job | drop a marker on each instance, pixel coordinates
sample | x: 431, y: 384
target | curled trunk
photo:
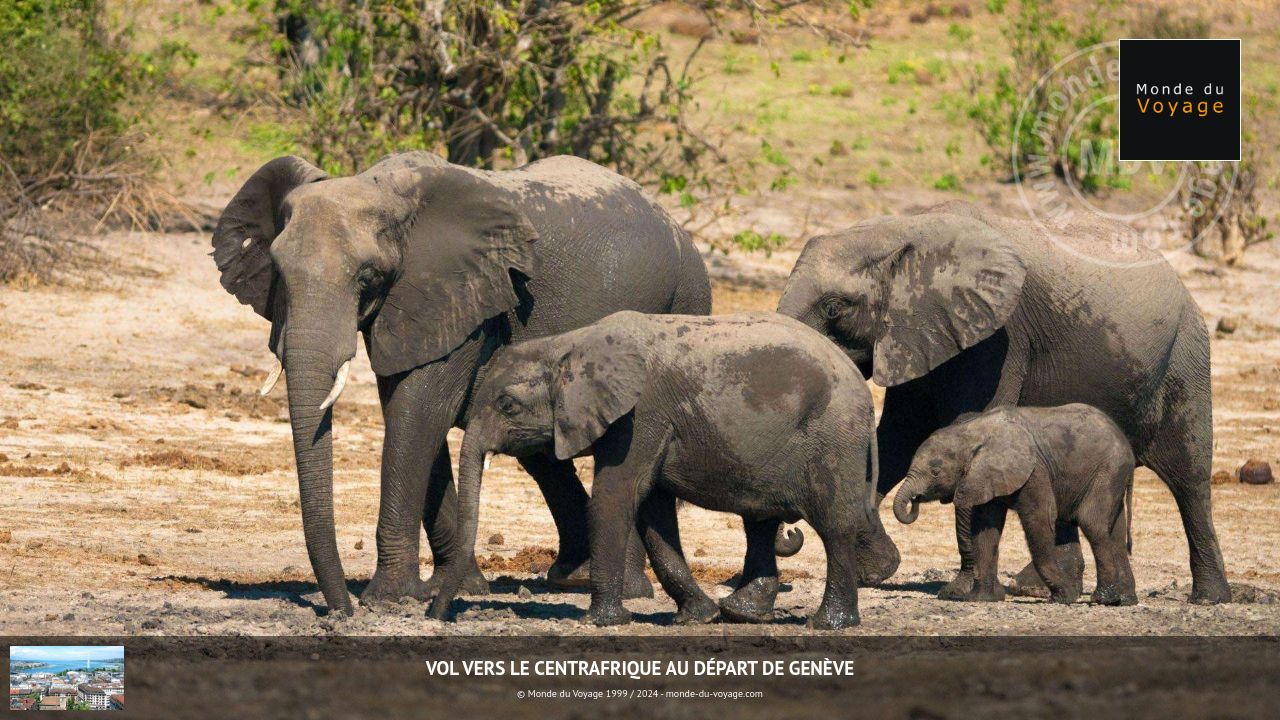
x: 907, y: 495
x: 471, y: 463
x: 787, y: 543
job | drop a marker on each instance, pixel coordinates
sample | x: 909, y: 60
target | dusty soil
x: 145, y: 488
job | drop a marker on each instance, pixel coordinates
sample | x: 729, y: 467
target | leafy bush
x: 63, y: 74
x: 68, y: 137
x: 948, y: 181
x: 485, y: 83
x: 504, y: 82
x: 1015, y: 113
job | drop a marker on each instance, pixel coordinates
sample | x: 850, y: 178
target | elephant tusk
x: 272, y: 378
x: 339, y: 383
x: 487, y: 457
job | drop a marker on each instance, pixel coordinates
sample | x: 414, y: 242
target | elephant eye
x: 833, y: 308
x: 934, y: 470
x: 507, y: 405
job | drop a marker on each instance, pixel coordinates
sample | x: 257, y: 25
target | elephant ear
x: 953, y: 281
x: 1000, y: 465
x: 248, y: 226
x: 596, y: 382
x: 466, y: 250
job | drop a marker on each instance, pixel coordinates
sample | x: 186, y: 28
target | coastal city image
x: 66, y: 677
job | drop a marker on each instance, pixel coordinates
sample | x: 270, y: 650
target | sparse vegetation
x: 1222, y: 202
x: 1019, y: 117
x: 70, y: 133
x: 500, y: 84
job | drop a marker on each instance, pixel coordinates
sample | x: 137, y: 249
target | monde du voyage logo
x: 1180, y: 100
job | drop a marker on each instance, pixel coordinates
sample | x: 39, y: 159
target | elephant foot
x: 1063, y: 596
x: 569, y: 574
x: 1112, y: 595
x: 1027, y: 583
x: 574, y: 576
x: 959, y: 588
x: 699, y: 611
x: 831, y: 619
x: 607, y: 615
x: 386, y: 589
x: 752, y: 602
x: 878, y: 559
x: 993, y: 593
x: 1210, y: 593
x: 383, y: 588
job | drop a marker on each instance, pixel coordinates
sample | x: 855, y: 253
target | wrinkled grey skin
x: 958, y: 310
x: 437, y: 265
x: 754, y: 414
x: 1058, y: 468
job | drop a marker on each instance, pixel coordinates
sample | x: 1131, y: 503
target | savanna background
x: 146, y: 488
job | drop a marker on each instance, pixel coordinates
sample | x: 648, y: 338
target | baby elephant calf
x: 1067, y: 465
x: 754, y: 414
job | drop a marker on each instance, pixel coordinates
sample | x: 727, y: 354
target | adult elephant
x: 957, y: 310
x: 437, y: 265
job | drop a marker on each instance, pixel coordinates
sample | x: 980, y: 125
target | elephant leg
x: 905, y: 423
x: 752, y: 601
x: 1108, y: 538
x: 988, y: 525
x: 661, y: 533
x: 839, y: 607
x: 1185, y: 468
x: 562, y: 489
x: 440, y: 521
x: 612, y: 517
x: 1027, y: 582
x: 419, y: 408
x: 962, y: 584
x: 1038, y: 514
x: 626, y: 467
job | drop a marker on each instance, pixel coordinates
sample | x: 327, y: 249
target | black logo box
x: 1181, y: 66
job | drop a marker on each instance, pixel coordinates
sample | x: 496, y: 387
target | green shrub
x: 1008, y: 102
x: 752, y: 241
x: 72, y: 94
x: 64, y: 77
x: 947, y: 182
x: 484, y: 83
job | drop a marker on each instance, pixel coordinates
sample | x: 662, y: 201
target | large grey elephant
x: 957, y: 310
x: 753, y: 414
x: 437, y: 265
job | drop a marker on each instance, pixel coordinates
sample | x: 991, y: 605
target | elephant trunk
x: 313, y: 358
x: 471, y: 462
x: 907, y: 494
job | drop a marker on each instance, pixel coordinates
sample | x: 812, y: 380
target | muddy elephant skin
x: 753, y: 414
x: 1057, y: 468
x: 435, y: 266
x: 958, y: 309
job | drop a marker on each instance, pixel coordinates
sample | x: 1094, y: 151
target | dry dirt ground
x: 146, y: 489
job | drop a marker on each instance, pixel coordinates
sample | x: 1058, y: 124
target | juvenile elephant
x: 436, y: 265
x: 958, y: 310
x: 1058, y: 468
x: 753, y: 414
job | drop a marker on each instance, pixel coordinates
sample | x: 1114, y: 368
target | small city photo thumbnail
x: 66, y: 677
